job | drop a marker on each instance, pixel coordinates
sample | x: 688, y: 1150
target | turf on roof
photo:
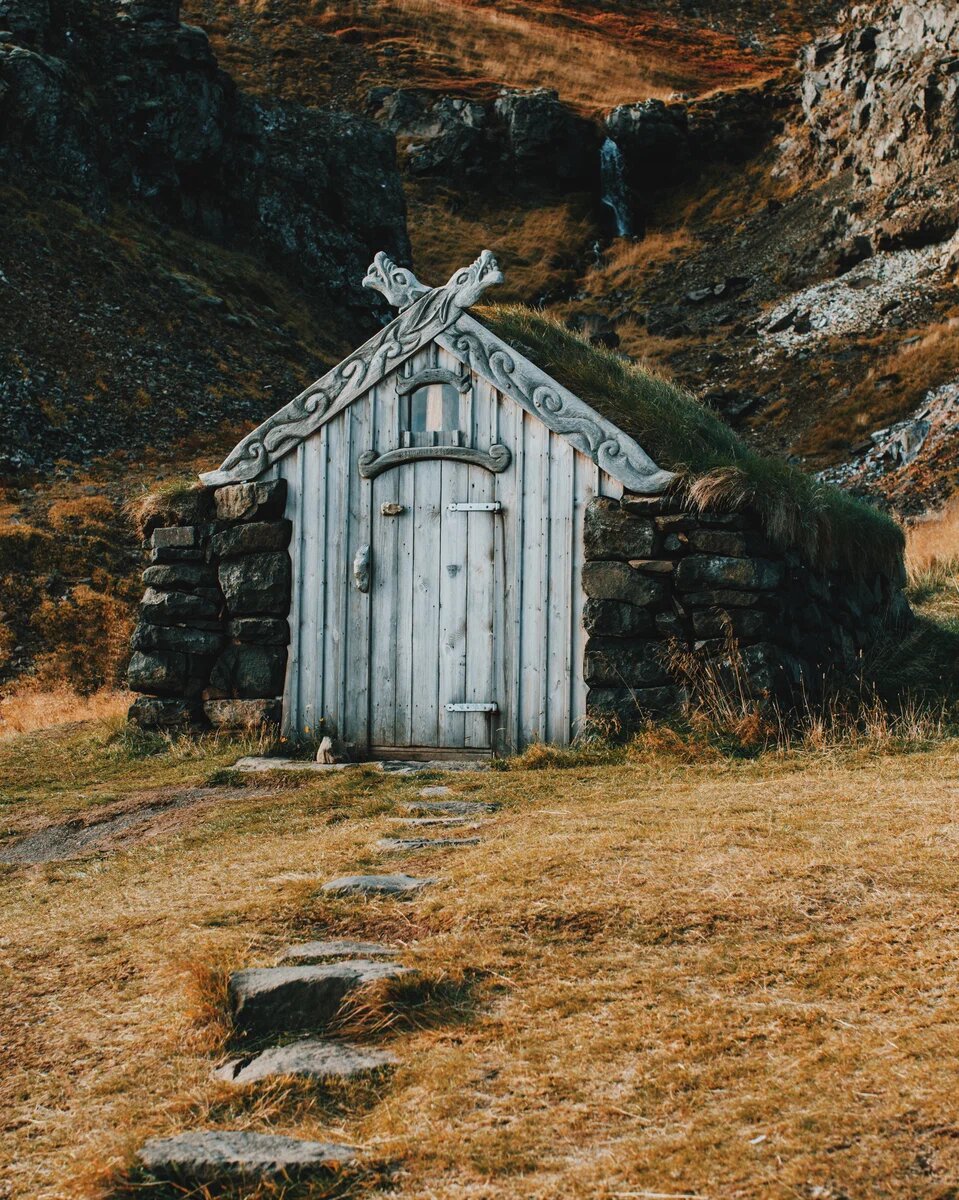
x: 827, y: 527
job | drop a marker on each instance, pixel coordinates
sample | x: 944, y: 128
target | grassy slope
x: 681, y: 434
x: 718, y: 978
x: 596, y: 55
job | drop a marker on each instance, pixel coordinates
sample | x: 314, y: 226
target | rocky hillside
x: 762, y: 204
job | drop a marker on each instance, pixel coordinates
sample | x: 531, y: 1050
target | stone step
x: 273, y: 1000
x: 454, y: 808
x: 439, y: 789
x: 425, y: 843
x: 375, y: 885
x: 438, y: 822
x: 316, y: 952
x: 312, y: 1058
x: 237, y: 1156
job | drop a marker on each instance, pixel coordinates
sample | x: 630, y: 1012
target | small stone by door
x: 433, y: 609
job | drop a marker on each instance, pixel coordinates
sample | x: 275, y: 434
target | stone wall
x: 211, y: 643
x: 659, y: 577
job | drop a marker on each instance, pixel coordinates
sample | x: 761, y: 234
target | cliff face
x: 106, y: 101
x: 880, y: 96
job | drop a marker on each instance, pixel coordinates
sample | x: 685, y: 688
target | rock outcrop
x: 665, y: 145
x: 530, y: 140
x: 119, y: 100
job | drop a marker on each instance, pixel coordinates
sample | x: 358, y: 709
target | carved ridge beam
x: 371, y: 464
x: 432, y: 311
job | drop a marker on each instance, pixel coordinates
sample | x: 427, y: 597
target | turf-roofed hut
x: 480, y: 531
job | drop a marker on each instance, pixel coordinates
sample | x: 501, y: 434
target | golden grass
x: 723, y: 978
x: 890, y: 390
x: 474, y: 46
x: 28, y: 706
x: 935, y: 539
x: 540, y: 249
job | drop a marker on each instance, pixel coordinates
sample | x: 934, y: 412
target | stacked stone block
x: 660, y: 578
x: 210, y: 647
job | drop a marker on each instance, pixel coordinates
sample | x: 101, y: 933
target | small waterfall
x: 612, y: 175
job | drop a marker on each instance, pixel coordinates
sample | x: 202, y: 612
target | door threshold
x: 428, y: 754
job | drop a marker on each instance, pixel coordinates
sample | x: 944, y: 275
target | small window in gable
x: 436, y: 408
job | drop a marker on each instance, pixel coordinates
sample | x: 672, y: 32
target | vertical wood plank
x: 586, y: 482
x: 559, y: 571
x: 289, y: 468
x: 312, y: 606
x: 337, y: 573
x: 534, y: 630
x: 356, y: 674
x: 426, y: 596
x: 482, y: 597
x: 452, y: 582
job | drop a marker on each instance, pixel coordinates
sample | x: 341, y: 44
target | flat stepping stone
x: 272, y: 1000
x: 425, y: 843
x: 375, y: 885
x: 453, y: 808
x: 315, y: 952
x: 309, y: 1059
x: 439, y: 789
x: 405, y: 766
x: 217, y: 1156
x: 443, y: 822
x: 256, y: 765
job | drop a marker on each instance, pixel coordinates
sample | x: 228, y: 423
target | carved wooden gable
x: 428, y: 315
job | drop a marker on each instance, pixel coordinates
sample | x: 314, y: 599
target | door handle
x: 361, y: 569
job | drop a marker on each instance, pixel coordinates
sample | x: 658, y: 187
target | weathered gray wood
x: 414, y: 328
x: 371, y: 464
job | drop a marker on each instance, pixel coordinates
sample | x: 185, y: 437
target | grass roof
x: 829, y: 528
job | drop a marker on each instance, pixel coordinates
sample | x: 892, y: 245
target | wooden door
x: 432, y: 609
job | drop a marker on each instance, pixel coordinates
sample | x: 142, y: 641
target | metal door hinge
x: 479, y: 708
x: 493, y: 506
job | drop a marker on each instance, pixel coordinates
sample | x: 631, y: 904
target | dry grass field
x: 668, y: 973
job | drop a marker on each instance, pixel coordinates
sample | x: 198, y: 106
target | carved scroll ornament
x: 431, y: 312
x: 506, y: 369
x: 496, y: 459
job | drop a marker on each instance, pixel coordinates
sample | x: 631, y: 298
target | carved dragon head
x: 398, y: 284
x: 401, y: 287
x: 470, y: 282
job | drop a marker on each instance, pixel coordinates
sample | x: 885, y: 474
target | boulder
x: 151, y: 712
x: 257, y: 583
x: 260, y: 631
x: 243, y: 714
x: 176, y: 543
x: 611, y: 533
x: 738, y: 623
x: 273, y: 1000
x: 263, y: 501
x: 217, y: 1156
x: 159, y: 673
x: 746, y: 574
x: 177, y: 608
x: 180, y: 576
x: 613, y: 618
x: 620, y: 581
x: 251, y: 538
x: 311, y: 1058
x: 614, y: 663
x: 248, y: 672
x: 179, y: 638
x: 632, y: 705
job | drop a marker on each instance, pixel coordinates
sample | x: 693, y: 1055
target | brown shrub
x: 87, y: 516
x: 86, y: 635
